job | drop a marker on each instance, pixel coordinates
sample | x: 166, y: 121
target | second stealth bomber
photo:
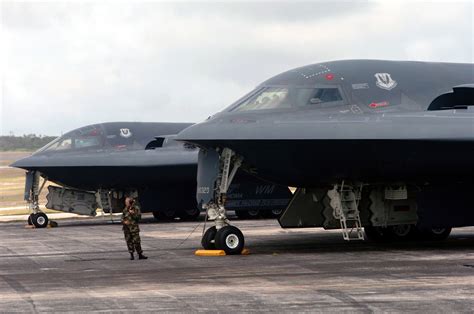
x: 96, y: 166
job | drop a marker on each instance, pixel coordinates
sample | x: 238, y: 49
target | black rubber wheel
x: 156, y: 215
x: 208, y: 239
x: 377, y: 234
x: 190, y: 214
x: 40, y: 220
x: 230, y: 239
x: 30, y: 219
x: 435, y: 234
x: 248, y: 213
x: 242, y: 214
x: 274, y: 213
x: 169, y: 214
x: 405, y: 232
x: 164, y: 214
x: 253, y: 213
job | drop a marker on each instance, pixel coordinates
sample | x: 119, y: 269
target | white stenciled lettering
x: 264, y: 189
x: 203, y: 190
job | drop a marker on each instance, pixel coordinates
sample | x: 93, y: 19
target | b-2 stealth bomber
x: 96, y: 166
x: 387, y: 146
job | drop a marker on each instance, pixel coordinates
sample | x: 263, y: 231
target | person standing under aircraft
x: 131, y: 215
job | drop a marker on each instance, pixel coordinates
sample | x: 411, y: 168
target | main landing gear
x: 223, y: 236
x: 406, y: 232
x: 190, y: 214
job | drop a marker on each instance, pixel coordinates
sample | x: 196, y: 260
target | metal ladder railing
x: 105, y: 203
x: 347, y: 211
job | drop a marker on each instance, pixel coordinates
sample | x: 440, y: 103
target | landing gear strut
x: 223, y: 236
x: 32, y: 192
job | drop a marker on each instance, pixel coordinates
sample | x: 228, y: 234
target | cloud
x: 70, y: 64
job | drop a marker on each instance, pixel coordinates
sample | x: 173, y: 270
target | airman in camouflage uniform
x: 131, y: 215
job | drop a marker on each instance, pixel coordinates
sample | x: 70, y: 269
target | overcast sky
x: 69, y: 64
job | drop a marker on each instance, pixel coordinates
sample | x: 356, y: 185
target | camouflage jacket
x: 131, y: 217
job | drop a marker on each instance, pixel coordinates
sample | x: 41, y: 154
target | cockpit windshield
x: 291, y: 97
x: 84, y: 138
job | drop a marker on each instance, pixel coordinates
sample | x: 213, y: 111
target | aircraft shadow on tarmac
x: 331, y: 242
x: 106, y: 220
x: 314, y: 241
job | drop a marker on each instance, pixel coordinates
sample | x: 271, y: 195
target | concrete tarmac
x: 83, y: 266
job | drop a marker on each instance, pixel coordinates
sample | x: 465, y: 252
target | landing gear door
x: 71, y: 201
x: 208, y: 171
x: 30, y: 178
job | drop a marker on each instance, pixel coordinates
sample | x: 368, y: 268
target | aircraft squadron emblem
x: 125, y: 133
x: 385, y: 81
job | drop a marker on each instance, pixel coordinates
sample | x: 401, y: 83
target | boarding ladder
x: 347, y: 211
x: 105, y: 203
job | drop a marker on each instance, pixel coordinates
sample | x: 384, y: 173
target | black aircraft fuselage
x: 112, y: 155
x: 126, y: 157
x: 354, y: 119
x: 384, y: 145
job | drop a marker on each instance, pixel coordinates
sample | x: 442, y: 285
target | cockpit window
x: 87, y: 141
x: 90, y: 137
x: 268, y: 98
x: 59, y: 144
x: 291, y: 97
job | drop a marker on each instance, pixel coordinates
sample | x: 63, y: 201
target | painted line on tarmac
x: 9, y: 218
x: 14, y: 208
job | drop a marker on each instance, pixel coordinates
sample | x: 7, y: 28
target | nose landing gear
x: 32, y: 190
x: 223, y: 236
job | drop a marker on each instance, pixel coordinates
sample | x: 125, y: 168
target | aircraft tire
x: 253, y: 214
x: 435, y: 234
x: 248, y: 214
x: 40, y: 220
x: 274, y: 213
x: 242, y: 214
x: 208, y: 239
x: 230, y: 239
x: 404, y: 232
x: 169, y: 214
x: 156, y: 215
x: 377, y: 234
x: 190, y: 214
x: 30, y: 220
x: 164, y: 214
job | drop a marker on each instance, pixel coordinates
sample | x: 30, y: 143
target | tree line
x: 28, y: 142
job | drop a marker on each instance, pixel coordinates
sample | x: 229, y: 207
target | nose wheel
x: 228, y: 238
x: 32, y: 192
x: 39, y: 220
x: 208, y: 240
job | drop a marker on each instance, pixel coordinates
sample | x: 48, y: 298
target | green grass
x: 12, y: 185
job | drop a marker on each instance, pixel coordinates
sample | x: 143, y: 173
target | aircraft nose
x: 190, y: 133
x: 24, y: 163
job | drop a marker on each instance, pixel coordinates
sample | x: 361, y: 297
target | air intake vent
x: 156, y: 143
x: 461, y: 98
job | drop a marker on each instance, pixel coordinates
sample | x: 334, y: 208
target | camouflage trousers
x: 132, y: 237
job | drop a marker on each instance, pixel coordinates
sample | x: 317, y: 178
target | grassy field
x: 12, y: 182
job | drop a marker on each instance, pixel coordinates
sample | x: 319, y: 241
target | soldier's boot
x: 141, y: 256
x: 132, y: 257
